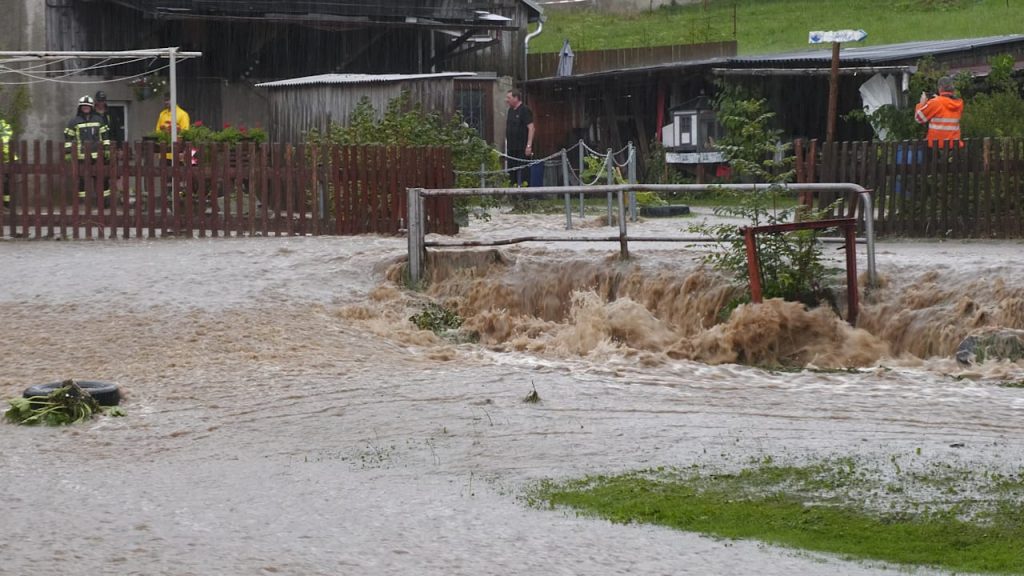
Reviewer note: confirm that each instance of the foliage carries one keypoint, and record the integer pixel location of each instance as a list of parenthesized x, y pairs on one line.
[(437, 319), (999, 115), (68, 404), (533, 397), (199, 133), (659, 171), (959, 519), (999, 112), (762, 26), (148, 86), (595, 170), (791, 263), (751, 144), (13, 107), (898, 123), (403, 124)]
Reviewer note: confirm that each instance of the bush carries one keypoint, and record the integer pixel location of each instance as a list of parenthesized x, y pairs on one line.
[(791, 263), (405, 125)]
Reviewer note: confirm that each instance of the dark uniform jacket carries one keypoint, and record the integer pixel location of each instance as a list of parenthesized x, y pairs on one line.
[(88, 131)]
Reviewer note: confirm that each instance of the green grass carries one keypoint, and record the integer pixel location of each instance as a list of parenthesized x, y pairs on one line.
[(764, 26), (954, 518)]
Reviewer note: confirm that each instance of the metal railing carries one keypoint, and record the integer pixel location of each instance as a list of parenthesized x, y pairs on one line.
[(416, 226)]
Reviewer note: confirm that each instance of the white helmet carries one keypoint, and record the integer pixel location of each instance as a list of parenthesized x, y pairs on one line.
[(85, 101)]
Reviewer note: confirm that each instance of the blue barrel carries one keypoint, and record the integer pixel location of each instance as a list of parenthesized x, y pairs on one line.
[(537, 175)]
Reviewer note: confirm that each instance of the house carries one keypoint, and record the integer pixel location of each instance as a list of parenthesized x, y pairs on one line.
[(617, 97), (246, 43)]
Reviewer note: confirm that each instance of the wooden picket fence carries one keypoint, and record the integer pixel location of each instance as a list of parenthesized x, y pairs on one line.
[(220, 190), (973, 191)]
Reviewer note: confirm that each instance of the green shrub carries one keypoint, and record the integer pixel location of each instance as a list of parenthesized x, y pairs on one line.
[(405, 125)]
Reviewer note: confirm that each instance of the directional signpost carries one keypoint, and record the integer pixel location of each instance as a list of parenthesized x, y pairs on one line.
[(836, 37)]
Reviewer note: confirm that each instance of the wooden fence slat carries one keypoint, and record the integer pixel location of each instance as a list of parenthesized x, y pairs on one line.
[(396, 192), (49, 189), (382, 215), (362, 198)]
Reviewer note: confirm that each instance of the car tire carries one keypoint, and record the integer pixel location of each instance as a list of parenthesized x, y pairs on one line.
[(105, 393)]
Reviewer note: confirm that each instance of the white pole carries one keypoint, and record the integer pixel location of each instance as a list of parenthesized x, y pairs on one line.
[(174, 98)]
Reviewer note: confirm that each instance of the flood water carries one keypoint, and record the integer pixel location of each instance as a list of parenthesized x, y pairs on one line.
[(285, 417)]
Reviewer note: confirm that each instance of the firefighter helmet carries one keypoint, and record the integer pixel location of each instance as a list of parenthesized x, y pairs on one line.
[(85, 101)]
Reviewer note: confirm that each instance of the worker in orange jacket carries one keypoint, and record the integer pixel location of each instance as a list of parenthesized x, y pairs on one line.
[(942, 115)]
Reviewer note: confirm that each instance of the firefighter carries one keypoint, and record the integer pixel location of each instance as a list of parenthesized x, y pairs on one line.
[(942, 115), (113, 122), (5, 138), (92, 135)]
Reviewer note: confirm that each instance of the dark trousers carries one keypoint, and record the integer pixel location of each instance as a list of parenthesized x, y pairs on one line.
[(101, 194)]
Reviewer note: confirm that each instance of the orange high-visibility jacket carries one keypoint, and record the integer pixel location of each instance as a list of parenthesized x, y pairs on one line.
[(942, 115)]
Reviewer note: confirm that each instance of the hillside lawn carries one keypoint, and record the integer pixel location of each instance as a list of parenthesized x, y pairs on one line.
[(765, 26)]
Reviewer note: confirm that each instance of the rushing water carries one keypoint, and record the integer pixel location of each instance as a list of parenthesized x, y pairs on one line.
[(284, 417)]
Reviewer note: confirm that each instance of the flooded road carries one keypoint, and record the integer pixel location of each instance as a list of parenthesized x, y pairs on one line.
[(285, 417)]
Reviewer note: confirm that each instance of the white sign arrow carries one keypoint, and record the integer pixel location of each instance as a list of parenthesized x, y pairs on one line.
[(822, 37)]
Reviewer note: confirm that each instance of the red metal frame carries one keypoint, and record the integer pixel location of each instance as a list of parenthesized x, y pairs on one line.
[(849, 227)]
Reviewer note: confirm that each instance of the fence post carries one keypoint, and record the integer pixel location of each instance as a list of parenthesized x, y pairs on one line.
[(483, 177), (415, 231), (631, 177), (608, 164), (582, 154), (623, 247), (565, 182)]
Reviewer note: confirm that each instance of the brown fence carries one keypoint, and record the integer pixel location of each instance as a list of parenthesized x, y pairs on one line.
[(973, 191), (221, 190)]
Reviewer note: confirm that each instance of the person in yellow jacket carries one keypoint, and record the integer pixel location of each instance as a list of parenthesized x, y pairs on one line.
[(942, 114), (163, 122), (5, 137)]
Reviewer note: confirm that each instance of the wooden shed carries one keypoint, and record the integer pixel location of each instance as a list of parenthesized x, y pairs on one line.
[(298, 105)]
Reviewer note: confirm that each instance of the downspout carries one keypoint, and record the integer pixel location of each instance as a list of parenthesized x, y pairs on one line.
[(526, 47)]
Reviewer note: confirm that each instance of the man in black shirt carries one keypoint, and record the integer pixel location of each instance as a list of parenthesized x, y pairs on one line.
[(518, 137), (113, 122)]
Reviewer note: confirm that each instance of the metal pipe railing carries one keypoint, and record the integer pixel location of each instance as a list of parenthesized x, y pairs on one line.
[(417, 224)]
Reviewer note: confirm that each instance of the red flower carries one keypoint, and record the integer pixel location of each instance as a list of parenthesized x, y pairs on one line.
[(226, 125), (197, 123)]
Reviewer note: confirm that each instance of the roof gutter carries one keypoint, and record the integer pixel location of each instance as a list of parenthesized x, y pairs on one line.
[(526, 47)]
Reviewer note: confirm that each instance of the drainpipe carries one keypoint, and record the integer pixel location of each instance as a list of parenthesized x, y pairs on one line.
[(526, 49)]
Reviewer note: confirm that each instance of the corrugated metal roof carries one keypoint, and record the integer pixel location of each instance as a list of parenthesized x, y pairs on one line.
[(651, 68), (358, 79), (880, 54)]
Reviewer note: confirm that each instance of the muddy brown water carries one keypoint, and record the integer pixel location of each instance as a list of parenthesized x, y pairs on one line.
[(284, 417)]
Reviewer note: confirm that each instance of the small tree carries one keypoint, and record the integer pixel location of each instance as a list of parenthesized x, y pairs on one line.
[(405, 125), (1000, 112), (791, 263)]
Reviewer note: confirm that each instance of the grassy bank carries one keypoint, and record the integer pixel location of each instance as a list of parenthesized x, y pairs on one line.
[(763, 26), (931, 514)]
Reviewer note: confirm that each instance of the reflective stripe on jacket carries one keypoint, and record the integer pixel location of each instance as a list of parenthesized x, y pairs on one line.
[(942, 114), (6, 133), (84, 130)]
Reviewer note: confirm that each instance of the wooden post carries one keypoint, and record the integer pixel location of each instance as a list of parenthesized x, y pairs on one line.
[(753, 265), (833, 95)]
